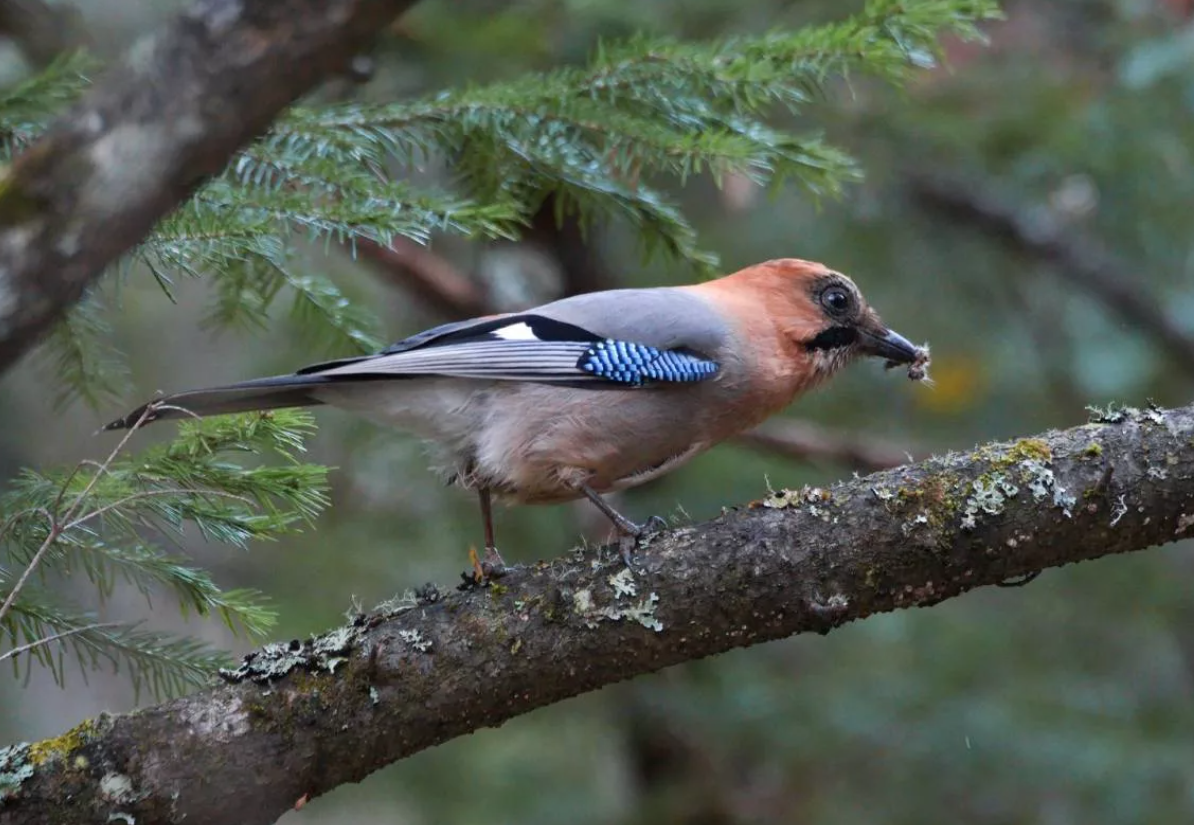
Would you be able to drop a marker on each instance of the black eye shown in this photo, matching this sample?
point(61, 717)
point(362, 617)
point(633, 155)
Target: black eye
point(836, 300)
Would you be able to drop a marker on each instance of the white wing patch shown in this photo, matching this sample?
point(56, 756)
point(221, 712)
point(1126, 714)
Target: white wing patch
point(516, 332)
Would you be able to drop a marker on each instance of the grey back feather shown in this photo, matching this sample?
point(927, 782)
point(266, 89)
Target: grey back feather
point(662, 317)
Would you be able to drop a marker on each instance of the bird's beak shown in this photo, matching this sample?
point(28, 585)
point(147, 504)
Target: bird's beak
point(886, 343)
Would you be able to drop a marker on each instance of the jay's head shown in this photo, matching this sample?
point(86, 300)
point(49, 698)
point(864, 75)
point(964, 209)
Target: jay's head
point(824, 320)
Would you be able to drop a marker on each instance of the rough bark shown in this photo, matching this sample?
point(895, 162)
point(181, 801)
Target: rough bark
point(152, 129)
point(297, 720)
point(40, 31)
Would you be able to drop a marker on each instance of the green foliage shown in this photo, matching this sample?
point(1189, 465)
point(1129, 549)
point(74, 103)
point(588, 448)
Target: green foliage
point(80, 357)
point(650, 106)
point(99, 520)
point(24, 108)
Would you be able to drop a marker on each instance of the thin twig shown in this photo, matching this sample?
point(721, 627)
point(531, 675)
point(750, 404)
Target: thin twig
point(51, 537)
point(74, 631)
point(56, 528)
point(149, 494)
point(805, 441)
point(434, 280)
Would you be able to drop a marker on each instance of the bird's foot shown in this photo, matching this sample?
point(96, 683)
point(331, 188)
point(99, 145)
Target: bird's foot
point(487, 567)
point(628, 541)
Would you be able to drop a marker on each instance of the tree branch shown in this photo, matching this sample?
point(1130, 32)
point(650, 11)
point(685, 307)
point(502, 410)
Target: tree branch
point(1082, 261)
point(149, 132)
point(40, 31)
point(806, 441)
point(295, 721)
point(432, 279)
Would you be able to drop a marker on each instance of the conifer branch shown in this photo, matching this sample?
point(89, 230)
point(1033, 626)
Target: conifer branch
point(91, 520)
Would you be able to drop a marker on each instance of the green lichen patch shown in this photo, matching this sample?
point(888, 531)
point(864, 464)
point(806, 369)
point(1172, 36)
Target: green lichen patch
point(317, 654)
point(622, 586)
point(1092, 450)
point(15, 769)
point(118, 788)
point(1026, 449)
point(931, 502)
point(816, 501)
point(1030, 449)
point(61, 746)
point(1113, 414)
point(989, 494)
point(1025, 463)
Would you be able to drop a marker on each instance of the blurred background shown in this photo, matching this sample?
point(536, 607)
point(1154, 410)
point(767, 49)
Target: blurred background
point(1027, 210)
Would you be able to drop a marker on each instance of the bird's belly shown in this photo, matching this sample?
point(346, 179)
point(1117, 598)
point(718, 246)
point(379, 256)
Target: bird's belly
point(448, 412)
point(537, 443)
point(541, 443)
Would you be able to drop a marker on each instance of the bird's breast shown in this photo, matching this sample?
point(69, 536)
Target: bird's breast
point(540, 442)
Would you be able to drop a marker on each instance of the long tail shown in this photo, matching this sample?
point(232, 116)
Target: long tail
point(259, 394)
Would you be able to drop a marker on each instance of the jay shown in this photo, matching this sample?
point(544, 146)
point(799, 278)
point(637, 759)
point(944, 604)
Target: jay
point(593, 393)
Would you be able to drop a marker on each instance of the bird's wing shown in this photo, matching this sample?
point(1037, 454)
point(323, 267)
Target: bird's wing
point(604, 340)
point(530, 346)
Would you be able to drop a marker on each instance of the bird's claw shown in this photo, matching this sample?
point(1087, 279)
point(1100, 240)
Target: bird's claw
point(628, 542)
point(487, 567)
point(653, 525)
point(626, 547)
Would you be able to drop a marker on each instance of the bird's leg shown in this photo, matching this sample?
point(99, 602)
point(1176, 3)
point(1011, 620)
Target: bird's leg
point(491, 565)
point(628, 531)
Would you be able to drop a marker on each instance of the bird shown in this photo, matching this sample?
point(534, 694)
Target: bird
point(593, 393)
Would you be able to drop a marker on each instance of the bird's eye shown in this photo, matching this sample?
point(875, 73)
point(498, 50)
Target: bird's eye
point(836, 300)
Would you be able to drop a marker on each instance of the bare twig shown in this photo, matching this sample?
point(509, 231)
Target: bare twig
point(65, 634)
point(1082, 261)
point(805, 441)
point(298, 720)
point(432, 279)
point(60, 523)
point(131, 497)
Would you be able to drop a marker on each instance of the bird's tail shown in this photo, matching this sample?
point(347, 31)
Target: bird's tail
point(259, 394)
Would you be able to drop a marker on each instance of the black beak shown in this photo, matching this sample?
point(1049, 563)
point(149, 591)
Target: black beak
point(890, 345)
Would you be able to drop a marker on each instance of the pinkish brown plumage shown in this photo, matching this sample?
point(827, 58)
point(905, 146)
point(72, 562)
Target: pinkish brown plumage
point(594, 393)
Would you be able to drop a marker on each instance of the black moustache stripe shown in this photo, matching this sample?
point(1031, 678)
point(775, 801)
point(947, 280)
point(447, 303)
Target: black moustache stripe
point(833, 338)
